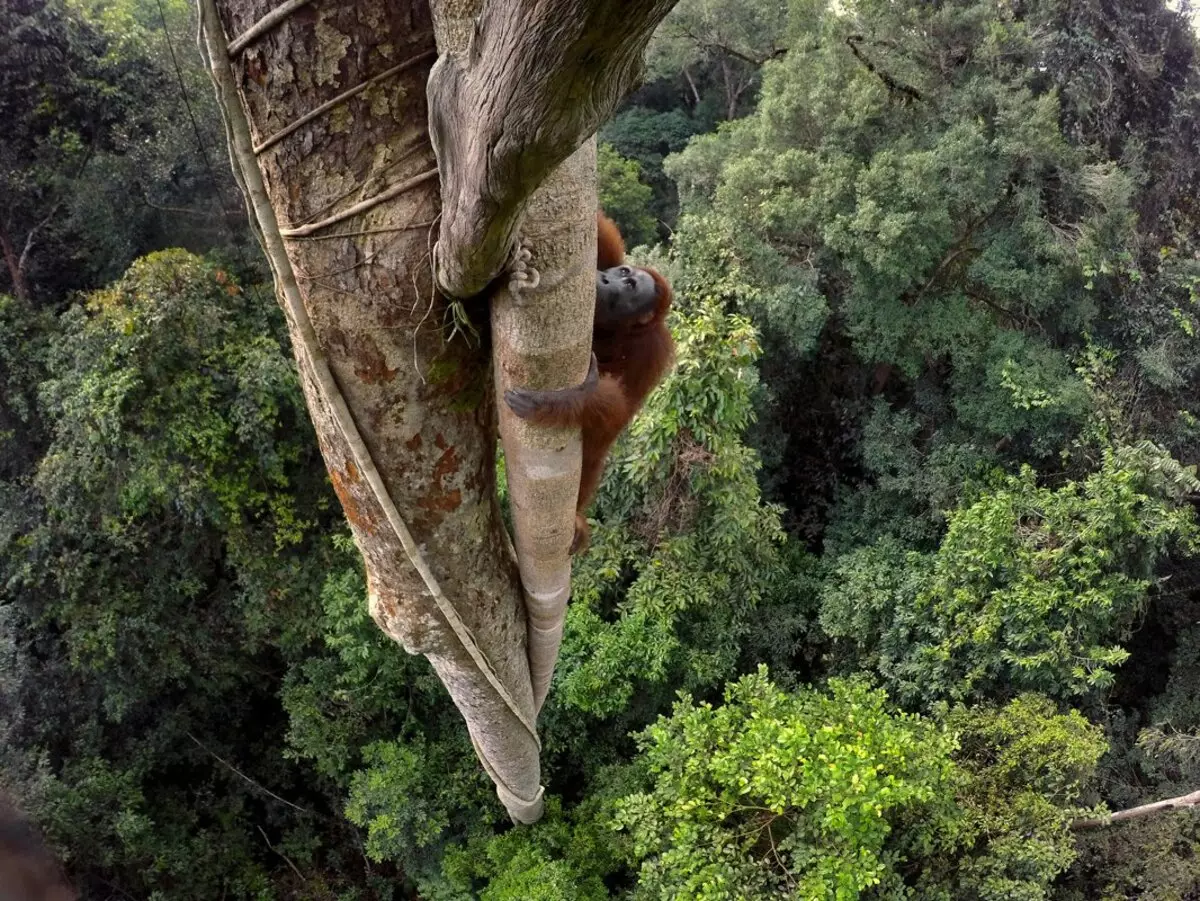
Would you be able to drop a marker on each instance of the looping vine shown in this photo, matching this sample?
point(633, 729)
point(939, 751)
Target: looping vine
point(340, 99)
point(361, 207)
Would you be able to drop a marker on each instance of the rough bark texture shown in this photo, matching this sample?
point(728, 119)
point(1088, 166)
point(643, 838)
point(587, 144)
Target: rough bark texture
point(361, 302)
point(534, 80)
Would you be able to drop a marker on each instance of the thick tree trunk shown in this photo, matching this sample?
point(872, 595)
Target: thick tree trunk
point(326, 108)
point(405, 420)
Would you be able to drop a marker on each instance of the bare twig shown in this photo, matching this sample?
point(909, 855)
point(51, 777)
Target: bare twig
point(1183, 802)
point(234, 769)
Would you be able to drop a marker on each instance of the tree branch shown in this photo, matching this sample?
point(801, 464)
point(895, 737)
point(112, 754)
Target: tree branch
point(896, 87)
point(704, 43)
point(32, 233)
point(1183, 802)
point(962, 245)
point(534, 81)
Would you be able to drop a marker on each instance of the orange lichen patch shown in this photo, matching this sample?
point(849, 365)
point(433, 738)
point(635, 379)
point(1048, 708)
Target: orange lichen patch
point(438, 501)
point(446, 465)
point(414, 443)
point(344, 484)
point(371, 366)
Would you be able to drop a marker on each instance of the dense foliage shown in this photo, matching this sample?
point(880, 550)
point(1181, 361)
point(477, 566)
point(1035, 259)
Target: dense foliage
point(893, 580)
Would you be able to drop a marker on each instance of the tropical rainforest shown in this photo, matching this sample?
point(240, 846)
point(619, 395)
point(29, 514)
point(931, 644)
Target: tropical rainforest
point(894, 583)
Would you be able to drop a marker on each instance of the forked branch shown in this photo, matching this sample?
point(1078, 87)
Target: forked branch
point(536, 80)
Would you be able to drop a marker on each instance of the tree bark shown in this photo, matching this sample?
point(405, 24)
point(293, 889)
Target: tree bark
point(344, 204)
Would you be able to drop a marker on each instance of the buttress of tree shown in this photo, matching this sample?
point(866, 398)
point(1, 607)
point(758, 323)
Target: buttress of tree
point(330, 133)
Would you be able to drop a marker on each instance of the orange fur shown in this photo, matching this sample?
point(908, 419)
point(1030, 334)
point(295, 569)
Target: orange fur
point(632, 357)
point(610, 246)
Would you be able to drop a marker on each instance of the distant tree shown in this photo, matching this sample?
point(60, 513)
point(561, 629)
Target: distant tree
point(646, 136)
point(1032, 589)
point(623, 196)
point(728, 41)
point(910, 172)
point(112, 143)
point(828, 794)
point(164, 560)
point(25, 334)
point(56, 115)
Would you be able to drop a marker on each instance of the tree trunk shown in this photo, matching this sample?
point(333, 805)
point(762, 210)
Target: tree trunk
point(16, 272)
point(542, 338)
point(731, 92)
point(331, 137)
point(345, 203)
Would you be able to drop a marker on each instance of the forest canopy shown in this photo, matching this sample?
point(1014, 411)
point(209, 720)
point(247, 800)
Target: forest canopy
point(893, 588)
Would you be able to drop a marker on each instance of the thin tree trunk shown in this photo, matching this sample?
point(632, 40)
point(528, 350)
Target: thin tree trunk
point(731, 92)
point(16, 273)
point(692, 84)
point(542, 338)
